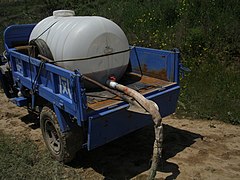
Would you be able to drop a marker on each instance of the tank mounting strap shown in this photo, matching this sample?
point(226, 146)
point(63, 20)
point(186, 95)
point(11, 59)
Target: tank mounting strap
point(92, 57)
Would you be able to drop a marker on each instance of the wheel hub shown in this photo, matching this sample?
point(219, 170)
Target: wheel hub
point(52, 137)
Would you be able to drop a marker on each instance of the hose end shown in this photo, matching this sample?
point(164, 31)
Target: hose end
point(111, 84)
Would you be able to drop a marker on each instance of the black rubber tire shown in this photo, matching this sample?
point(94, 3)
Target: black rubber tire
point(42, 48)
point(62, 146)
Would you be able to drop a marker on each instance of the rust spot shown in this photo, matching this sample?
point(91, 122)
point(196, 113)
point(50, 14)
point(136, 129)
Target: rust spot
point(161, 74)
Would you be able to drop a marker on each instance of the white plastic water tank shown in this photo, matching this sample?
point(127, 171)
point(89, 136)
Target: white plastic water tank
point(76, 37)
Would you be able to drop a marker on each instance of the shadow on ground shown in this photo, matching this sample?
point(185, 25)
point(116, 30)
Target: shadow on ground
point(129, 156)
point(31, 120)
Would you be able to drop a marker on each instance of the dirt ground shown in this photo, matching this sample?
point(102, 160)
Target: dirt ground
point(193, 149)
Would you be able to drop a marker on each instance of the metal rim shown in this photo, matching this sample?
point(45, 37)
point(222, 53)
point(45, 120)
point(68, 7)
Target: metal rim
point(52, 138)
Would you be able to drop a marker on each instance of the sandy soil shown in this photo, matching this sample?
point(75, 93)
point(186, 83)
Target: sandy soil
point(193, 149)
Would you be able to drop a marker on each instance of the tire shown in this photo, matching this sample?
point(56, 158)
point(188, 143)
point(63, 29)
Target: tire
point(42, 48)
point(62, 146)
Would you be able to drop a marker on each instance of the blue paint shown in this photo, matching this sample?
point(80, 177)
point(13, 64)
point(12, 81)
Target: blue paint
point(154, 62)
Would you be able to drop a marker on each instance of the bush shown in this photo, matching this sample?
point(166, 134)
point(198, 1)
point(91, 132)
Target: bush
point(206, 32)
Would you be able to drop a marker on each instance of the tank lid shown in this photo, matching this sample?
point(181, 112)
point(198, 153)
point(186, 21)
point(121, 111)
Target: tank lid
point(63, 13)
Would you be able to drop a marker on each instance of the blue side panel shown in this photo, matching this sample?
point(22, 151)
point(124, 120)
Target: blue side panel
point(108, 127)
point(114, 125)
point(55, 84)
point(154, 63)
point(17, 34)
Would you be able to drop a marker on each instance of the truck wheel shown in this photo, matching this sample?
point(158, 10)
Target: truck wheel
point(62, 145)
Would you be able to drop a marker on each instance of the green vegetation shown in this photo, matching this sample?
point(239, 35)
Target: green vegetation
point(206, 32)
point(20, 12)
point(21, 159)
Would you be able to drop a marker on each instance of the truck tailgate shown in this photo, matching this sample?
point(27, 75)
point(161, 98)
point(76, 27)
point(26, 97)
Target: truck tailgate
point(110, 119)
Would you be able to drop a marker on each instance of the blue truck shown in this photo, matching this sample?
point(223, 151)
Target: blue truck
point(71, 117)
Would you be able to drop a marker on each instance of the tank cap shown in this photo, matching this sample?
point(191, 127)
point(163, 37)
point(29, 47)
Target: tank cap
point(63, 13)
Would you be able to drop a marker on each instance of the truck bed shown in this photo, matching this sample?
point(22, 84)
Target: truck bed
point(144, 84)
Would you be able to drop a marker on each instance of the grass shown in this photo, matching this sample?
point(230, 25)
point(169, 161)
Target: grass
point(211, 92)
point(21, 159)
point(206, 32)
